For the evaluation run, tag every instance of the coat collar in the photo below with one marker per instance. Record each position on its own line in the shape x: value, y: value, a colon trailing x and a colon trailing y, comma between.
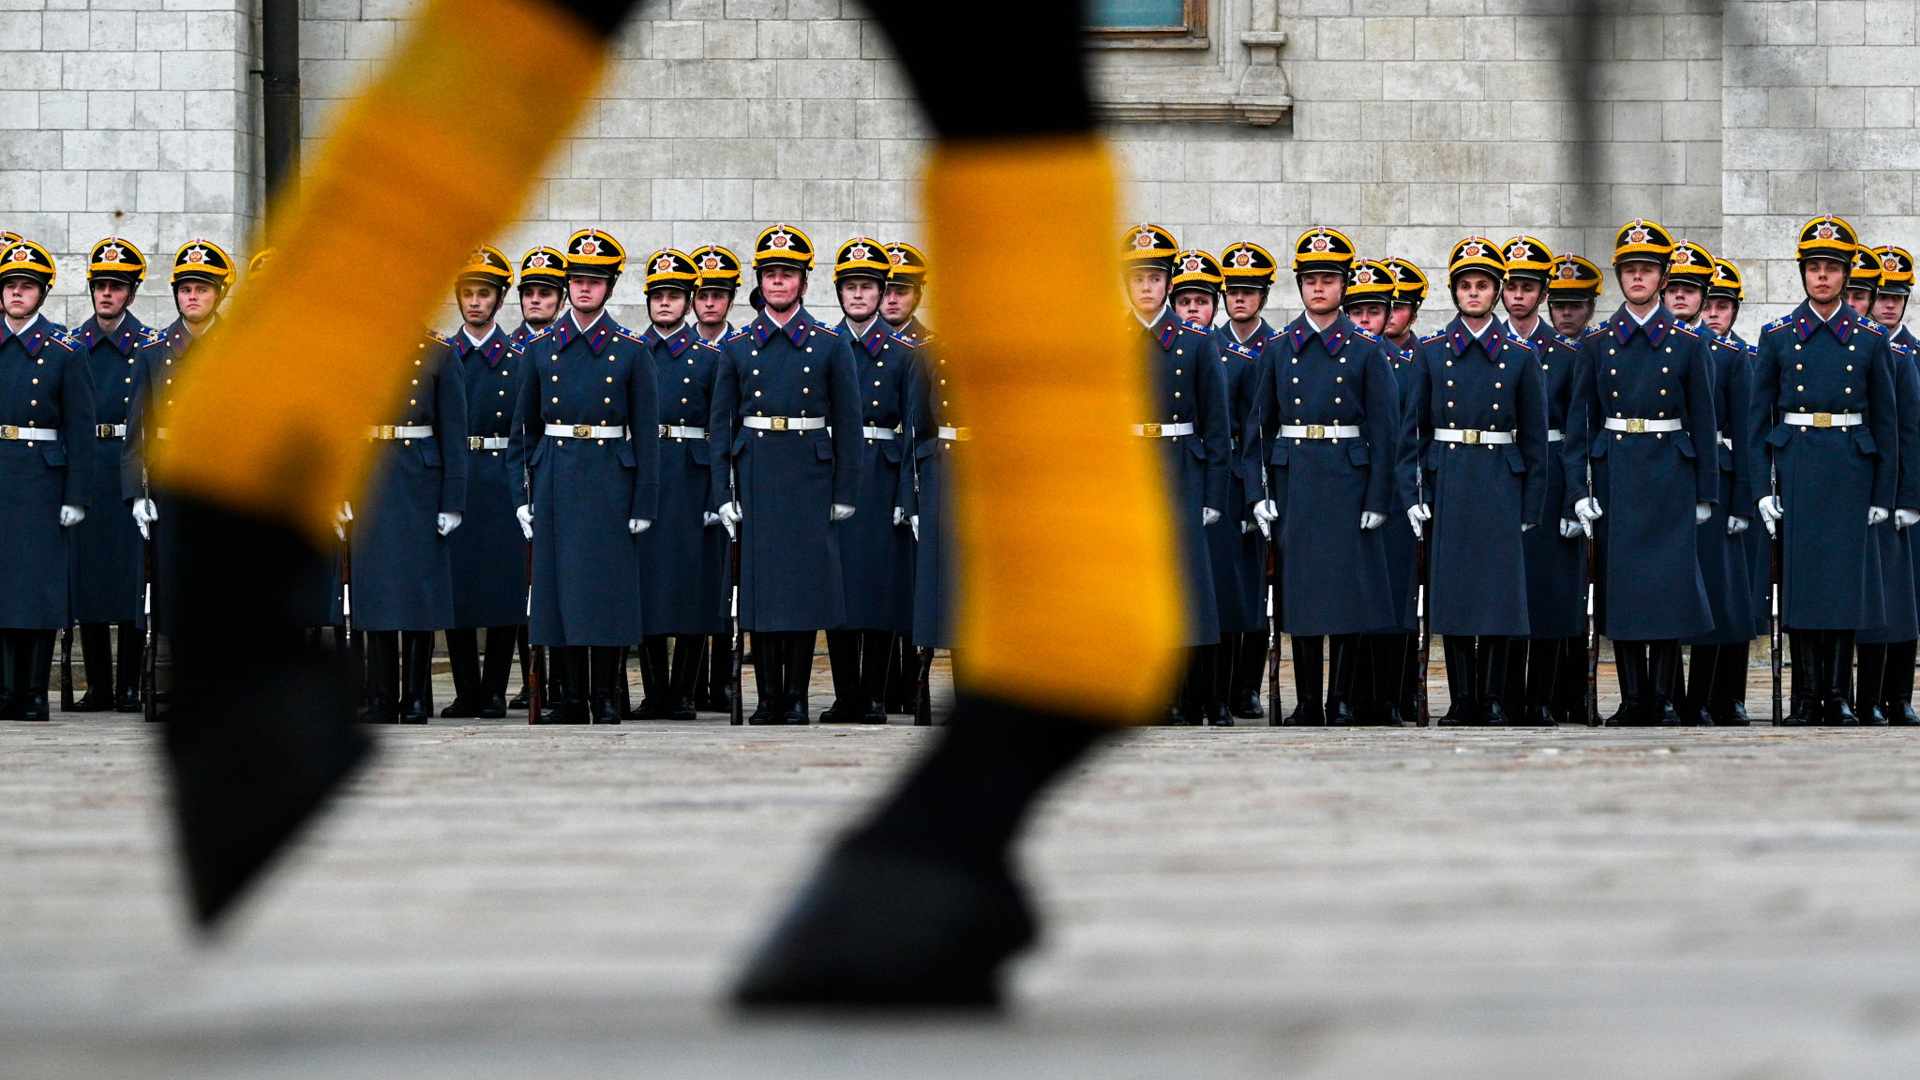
x: 35, y: 338
x: 876, y: 334
x: 677, y: 342
x: 1300, y: 331
x: 1254, y: 343
x: 1658, y: 325
x: 1459, y: 339
x: 565, y: 330
x: 763, y: 328
x: 123, y: 339
x: 914, y: 333
x: 1805, y: 321
x: 1904, y: 336
x: 491, y: 349
x: 177, y: 337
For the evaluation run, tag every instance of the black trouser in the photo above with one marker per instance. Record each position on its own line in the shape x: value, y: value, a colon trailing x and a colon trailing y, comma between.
x: 1476, y: 678
x: 26, y: 666
x: 860, y: 660
x: 96, y: 644
x: 480, y: 691
x: 399, y: 676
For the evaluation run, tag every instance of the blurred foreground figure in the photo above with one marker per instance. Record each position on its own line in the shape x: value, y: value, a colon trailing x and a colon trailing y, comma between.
x: 918, y: 905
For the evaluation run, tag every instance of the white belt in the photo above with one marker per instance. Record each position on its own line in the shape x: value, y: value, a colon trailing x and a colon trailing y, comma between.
x: 110, y: 431
x: 956, y: 434
x: 1634, y: 425
x: 784, y: 423
x: 877, y: 432
x: 1319, y: 431
x: 29, y: 434
x: 1821, y: 419
x: 400, y: 431
x: 585, y: 431
x: 1471, y: 437
x: 674, y: 431
x: 487, y: 442
x: 1554, y: 434
x: 1163, y: 431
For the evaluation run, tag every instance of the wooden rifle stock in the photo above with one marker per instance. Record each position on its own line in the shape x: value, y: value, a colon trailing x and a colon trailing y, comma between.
x: 150, y: 652
x: 737, y: 714
x: 66, y: 668
x: 1593, y: 618
x: 536, y: 654
x: 1776, y: 558
x: 1422, y: 628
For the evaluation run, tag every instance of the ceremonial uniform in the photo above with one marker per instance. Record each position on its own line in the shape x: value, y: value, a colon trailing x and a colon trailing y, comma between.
x: 719, y: 268
x: 938, y: 434
x: 1725, y: 697
x: 1891, y: 536
x: 1393, y: 687
x: 1892, y: 690
x: 1238, y: 546
x: 540, y: 266
x: 905, y: 290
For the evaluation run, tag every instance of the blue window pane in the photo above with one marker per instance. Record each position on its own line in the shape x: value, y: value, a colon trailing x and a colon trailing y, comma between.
x: 1104, y: 14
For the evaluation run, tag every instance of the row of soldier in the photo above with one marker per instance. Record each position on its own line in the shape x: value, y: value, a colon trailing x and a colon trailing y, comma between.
x: 1275, y: 440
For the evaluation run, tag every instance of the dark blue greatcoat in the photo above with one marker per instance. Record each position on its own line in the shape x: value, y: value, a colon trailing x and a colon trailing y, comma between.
x: 1896, y: 544
x: 488, y: 549
x: 156, y: 374
x: 1480, y: 494
x: 790, y: 561
x: 1403, y: 571
x: 1188, y: 387
x: 1724, y: 565
x: 1235, y: 544
x: 586, y: 570
x: 1334, y: 574
x: 1556, y: 566
x: 684, y: 586
x: 936, y: 434
x: 402, y: 566
x: 106, y: 546
x: 45, y: 384
x: 1828, y: 476
x: 1649, y: 582
x: 1904, y: 338
x: 876, y: 556
x: 1759, y: 544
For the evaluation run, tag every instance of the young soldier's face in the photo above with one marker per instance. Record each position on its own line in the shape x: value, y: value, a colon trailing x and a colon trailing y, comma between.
x: 588, y: 294
x: 1474, y: 292
x: 1521, y: 297
x: 1400, y: 319
x: 1719, y: 313
x: 1640, y: 281
x: 1823, y: 279
x: 667, y: 307
x: 1147, y: 289
x: 781, y: 286
x: 900, y: 302
x: 110, y: 298
x: 859, y: 298
x: 478, y: 303
x: 710, y: 306
x: 1370, y: 316
x: 1861, y: 299
x: 1889, y: 311
x: 196, y: 300
x: 1683, y: 299
x: 21, y: 296
x: 1194, y: 307
x: 539, y: 302
x: 1321, y: 290
x: 1570, y: 317
x: 1244, y: 303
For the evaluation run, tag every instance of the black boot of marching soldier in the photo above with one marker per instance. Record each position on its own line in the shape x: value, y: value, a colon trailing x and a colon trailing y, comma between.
x: 920, y: 906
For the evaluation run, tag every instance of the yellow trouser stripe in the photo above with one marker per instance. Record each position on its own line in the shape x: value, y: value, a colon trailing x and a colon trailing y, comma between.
x: 272, y: 412
x: 1069, y: 596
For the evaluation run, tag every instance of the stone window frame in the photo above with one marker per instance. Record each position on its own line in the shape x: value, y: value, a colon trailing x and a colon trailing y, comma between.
x: 1190, y: 34
x: 1229, y: 73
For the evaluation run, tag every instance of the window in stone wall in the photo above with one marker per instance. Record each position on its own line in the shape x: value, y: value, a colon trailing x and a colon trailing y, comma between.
x: 1148, y: 23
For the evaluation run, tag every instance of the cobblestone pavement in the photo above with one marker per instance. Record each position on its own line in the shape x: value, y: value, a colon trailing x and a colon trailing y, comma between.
x: 499, y: 901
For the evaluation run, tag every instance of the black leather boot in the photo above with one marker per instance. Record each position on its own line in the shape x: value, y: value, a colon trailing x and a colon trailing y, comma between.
x: 463, y: 656
x: 799, y: 673
x: 1542, y: 681
x: 603, y: 681
x: 1897, y: 686
x: 1189, y: 703
x: 1513, y: 689
x: 553, y: 695
x: 655, y: 674
x: 1249, y: 670
x: 523, y: 698
x: 902, y: 680
x: 37, y: 648
x: 499, y: 668
x: 769, y: 679
x: 1343, y: 672
x: 1630, y: 665
x: 1461, y: 709
x: 1663, y: 658
x: 1389, y: 672
x: 1728, y: 702
x: 1215, y: 684
x: 1801, y: 706
x: 1701, y: 665
x: 1490, y: 676
x: 1836, y: 671
x: 1570, y: 695
x: 877, y: 655
x: 1870, y: 689
x: 383, y: 677
x: 689, y: 664
x: 13, y: 684
x: 133, y: 648
x: 416, y: 676
x: 96, y: 646
x: 574, y: 683
x: 843, y: 660
x: 1309, y: 711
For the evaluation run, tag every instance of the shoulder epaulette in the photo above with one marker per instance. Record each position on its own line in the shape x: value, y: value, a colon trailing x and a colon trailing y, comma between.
x: 1435, y: 336
x: 1687, y: 330
x: 1784, y: 320
x: 742, y: 332
x: 1591, y: 331
x: 827, y: 330
x: 1516, y: 339
x: 542, y: 332
x: 623, y: 332
x: 1366, y: 335
x: 1565, y: 340
x: 439, y: 337
x: 702, y: 343
x: 66, y: 337
x: 1869, y: 324
x: 150, y: 335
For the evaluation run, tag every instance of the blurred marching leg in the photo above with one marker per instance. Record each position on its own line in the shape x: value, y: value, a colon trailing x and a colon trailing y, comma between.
x: 36, y: 646
x: 1343, y: 661
x: 521, y: 697
x: 1836, y: 670
x: 1663, y: 659
x: 1630, y: 666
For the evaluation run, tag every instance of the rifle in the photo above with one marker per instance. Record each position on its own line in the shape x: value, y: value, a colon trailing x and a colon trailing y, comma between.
x: 1273, y: 604
x: 1593, y: 621
x: 536, y: 654
x: 923, y: 677
x: 1776, y: 550
x: 150, y: 652
x: 355, y: 657
x: 738, y: 713
x: 1422, y: 631
x: 66, y: 668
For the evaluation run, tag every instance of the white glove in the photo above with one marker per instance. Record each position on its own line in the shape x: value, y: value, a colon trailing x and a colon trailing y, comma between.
x: 71, y: 515
x: 1419, y: 514
x: 1588, y: 510
x: 1904, y: 519
x: 1266, y: 511
x: 1570, y: 528
x: 340, y: 519
x: 915, y: 522
x: 899, y: 516
x: 525, y: 514
x: 1208, y: 515
x: 1370, y: 521
x: 1525, y: 525
x: 144, y: 515
x: 840, y: 512
x: 1701, y: 512
x: 1771, y: 510
x: 730, y: 516
x: 709, y: 519
x: 1876, y: 515
x: 446, y: 523
x: 1738, y: 525
x: 636, y: 526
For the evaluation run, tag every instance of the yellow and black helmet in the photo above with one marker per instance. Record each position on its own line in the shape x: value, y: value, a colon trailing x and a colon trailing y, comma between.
x: 906, y: 265
x: 1528, y: 257
x: 1726, y: 282
x: 114, y: 259
x: 203, y: 260
x: 783, y: 245
x: 1247, y: 265
x: 1864, y: 271
x: 861, y: 257
x: 1195, y: 269
x: 1827, y: 237
x: 24, y: 258
x: 592, y: 253
x: 1409, y: 281
x: 1370, y: 281
x: 1641, y: 240
x: 489, y: 266
x: 718, y: 268
x: 544, y: 266
x: 1150, y: 246
x: 8, y: 236
x: 258, y: 264
x: 1896, y: 271
x: 1322, y: 250
x: 1690, y: 263
x: 1476, y: 253
x: 1575, y: 279
x: 670, y: 268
